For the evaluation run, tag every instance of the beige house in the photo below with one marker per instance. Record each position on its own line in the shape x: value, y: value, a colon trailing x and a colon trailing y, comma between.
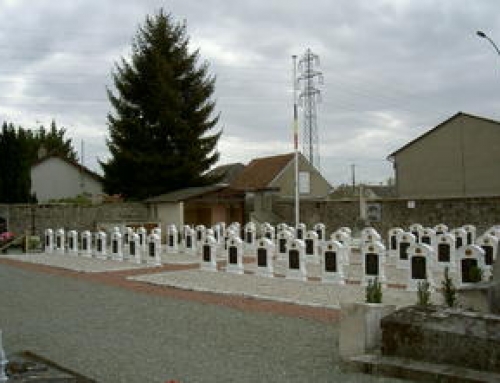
x: 54, y: 178
x: 267, y: 178
x: 458, y: 158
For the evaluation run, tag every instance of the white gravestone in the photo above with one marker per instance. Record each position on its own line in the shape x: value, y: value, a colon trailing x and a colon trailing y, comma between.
x: 86, y: 240
x: 283, y: 238
x: 421, y: 258
x: 135, y: 248
x: 369, y: 234
x: 405, y: 240
x: 489, y: 244
x: 234, y: 255
x: 296, y: 260
x: 441, y: 229
x: 469, y: 257
x: 208, y: 248
x: 154, y: 250
x: 470, y: 235
x: 333, y: 254
x: 250, y: 233
x: 116, y: 246
x: 311, y: 247
x: 60, y: 241
x: 172, y: 239
x: 49, y: 241
x: 73, y: 242
x: 264, y: 254
x: 300, y: 230
x: 190, y: 241
x: 392, y: 244
x: 428, y: 237
x: 201, y: 231
x: 373, y: 262
x: 416, y: 230
x: 320, y: 229
x: 143, y: 238
x: 446, y: 252
x: 460, y: 237
x: 341, y: 236
x: 100, y: 245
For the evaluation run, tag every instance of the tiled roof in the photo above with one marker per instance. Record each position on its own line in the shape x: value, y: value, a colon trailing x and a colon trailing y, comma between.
x: 75, y: 164
x: 227, y: 172
x: 260, y: 172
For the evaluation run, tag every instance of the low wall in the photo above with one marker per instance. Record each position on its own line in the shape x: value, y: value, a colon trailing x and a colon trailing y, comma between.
x: 37, y: 218
x: 481, y: 212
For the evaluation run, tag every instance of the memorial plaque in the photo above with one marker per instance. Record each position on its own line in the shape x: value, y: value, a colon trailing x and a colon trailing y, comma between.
x: 233, y: 255
x: 426, y: 239
x: 418, y: 270
x: 125, y: 238
x: 188, y: 241
x: 488, y: 255
x: 282, y: 245
x: 444, y: 252
x: 99, y: 245
x: 262, y: 257
x: 459, y: 242
x: 71, y: 242
x: 248, y: 237
x: 300, y: 233
x: 394, y: 242
x: 115, y: 246
x: 171, y: 240
x: 371, y: 264
x: 309, y: 247
x: 58, y: 242
x: 179, y: 238
x: 84, y: 243
x: 268, y: 235
x: 47, y: 240
x: 320, y: 234
x: 331, y: 261
x: 403, y: 250
x: 206, y: 253
x: 439, y: 232
x: 469, y: 238
x: 132, y: 248
x: 151, y: 249
x: 467, y: 265
x: 293, y: 260
x: 198, y: 235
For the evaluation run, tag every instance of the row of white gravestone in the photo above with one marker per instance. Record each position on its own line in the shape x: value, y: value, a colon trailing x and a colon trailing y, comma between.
x: 136, y: 247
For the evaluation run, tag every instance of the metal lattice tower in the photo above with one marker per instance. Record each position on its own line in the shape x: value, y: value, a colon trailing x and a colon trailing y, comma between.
x: 309, y: 97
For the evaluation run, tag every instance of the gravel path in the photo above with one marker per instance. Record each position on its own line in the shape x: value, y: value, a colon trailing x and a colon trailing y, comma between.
x: 117, y: 335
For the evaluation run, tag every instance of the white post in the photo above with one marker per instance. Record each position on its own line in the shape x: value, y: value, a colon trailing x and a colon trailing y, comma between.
x: 296, y: 142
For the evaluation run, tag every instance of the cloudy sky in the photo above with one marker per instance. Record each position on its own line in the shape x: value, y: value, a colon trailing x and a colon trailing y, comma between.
x: 392, y: 70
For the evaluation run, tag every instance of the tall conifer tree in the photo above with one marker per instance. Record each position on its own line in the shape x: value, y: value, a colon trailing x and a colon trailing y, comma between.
x: 159, y: 136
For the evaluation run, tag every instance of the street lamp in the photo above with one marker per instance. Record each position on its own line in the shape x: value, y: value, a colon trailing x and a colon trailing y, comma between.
x: 485, y: 36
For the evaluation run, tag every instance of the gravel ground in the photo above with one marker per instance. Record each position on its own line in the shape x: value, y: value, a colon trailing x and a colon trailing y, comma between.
x: 117, y: 335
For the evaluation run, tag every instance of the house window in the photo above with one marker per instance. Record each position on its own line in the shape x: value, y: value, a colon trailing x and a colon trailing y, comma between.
x: 304, y: 183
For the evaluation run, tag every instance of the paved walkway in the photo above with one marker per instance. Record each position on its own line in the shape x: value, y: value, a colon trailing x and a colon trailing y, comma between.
x: 118, y: 330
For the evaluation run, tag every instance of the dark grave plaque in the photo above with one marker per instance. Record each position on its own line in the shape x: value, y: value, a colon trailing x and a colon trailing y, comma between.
x: 418, y: 270
x: 282, y: 245
x: 371, y: 264
x: 47, y: 240
x: 115, y: 246
x: 320, y: 234
x: 58, y: 242
x: 268, y: 235
x: 206, y: 253
x: 179, y: 237
x: 415, y: 233
x: 439, y: 232
x: 331, y: 261
x: 309, y: 246
x: 71, y: 242
x: 248, y: 237
x: 99, y: 245
x: 426, y: 239
x: 188, y: 241
x: 394, y: 242
x: 469, y: 238
x: 300, y: 234
x: 171, y: 240
x: 132, y: 248
x: 233, y: 255
x: 152, y: 249
x: 293, y: 260
x: 467, y: 265
x: 84, y: 243
x: 262, y: 257
x: 141, y: 239
x: 403, y: 250
x: 444, y: 252
x: 459, y: 242
x: 198, y: 235
x: 488, y: 255
x: 125, y: 238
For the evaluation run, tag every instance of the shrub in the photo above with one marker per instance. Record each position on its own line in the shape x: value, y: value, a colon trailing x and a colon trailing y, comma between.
x: 374, y: 291
x: 448, y: 289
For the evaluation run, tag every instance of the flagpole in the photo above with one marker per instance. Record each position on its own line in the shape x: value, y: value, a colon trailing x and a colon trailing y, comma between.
x: 296, y: 143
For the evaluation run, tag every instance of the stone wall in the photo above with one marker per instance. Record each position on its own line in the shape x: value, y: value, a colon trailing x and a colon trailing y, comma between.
x: 37, y: 218
x: 481, y: 212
